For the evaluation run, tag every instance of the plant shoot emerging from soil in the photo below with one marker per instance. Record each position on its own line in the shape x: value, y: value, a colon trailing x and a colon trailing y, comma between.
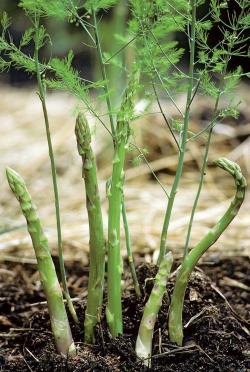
x: 58, y: 316
x: 189, y: 262
x: 96, y: 233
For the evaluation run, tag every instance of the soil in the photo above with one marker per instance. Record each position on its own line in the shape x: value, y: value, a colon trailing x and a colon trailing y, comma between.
x: 215, y: 319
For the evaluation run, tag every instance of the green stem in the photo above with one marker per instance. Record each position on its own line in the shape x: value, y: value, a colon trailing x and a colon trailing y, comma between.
x: 117, y: 80
x: 54, y: 176
x: 129, y: 252
x: 143, y: 347
x: 183, y: 140
x: 103, y: 72
x: 189, y: 262
x: 96, y: 233
x: 197, y: 197
x: 114, y: 310
x: 204, y: 163
x: 113, y: 130
x: 58, y: 316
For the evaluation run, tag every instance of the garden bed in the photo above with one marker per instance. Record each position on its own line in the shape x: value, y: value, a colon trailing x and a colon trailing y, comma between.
x: 215, y: 318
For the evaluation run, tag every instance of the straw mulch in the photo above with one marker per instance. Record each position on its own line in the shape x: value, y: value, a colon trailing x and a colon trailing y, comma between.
x: 24, y: 148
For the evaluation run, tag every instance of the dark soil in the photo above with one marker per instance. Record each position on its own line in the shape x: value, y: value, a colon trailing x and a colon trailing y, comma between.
x: 215, y: 318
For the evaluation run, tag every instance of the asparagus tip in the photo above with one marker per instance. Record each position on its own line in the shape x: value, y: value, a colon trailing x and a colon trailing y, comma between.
x: 83, y: 135
x: 13, y: 178
x: 232, y: 168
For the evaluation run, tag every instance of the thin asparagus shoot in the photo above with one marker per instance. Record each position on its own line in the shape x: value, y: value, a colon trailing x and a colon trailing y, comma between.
x: 96, y: 233
x: 184, y: 136
x: 42, y: 96
x: 189, y: 262
x: 145, y: 336
x: 53, y: 293
x: 129, y: 252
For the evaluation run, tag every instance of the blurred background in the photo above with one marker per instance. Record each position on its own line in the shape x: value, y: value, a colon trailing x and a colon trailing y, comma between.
x: 65, y: 36
x: 23, y: 146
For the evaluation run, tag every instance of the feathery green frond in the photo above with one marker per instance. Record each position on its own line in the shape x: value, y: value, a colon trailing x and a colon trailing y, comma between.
x: 4, y: 45
x: 4, y: 66
x: 20, y: 61
x: 232, y: 79
x: 208, y: 86
x: 99, y: 4
x: 27, y: 37
x: 5, y: 21
x: 67, y: 78
x: 60, y: 9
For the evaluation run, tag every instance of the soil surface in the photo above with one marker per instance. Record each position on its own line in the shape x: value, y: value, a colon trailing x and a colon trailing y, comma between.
x: 216, y: 322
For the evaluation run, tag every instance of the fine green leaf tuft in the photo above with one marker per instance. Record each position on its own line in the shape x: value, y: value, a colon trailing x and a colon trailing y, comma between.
x: 99, y: 4
x: 60, y: 9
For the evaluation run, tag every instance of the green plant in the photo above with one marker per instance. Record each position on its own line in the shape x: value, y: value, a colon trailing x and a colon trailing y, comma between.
x: 38, y: 35
x: 190, y: 260
x: 143, y: 346
x: 58, y: 316
x: 115, y: 195
x: 156, y: 57
x: 96, y: 233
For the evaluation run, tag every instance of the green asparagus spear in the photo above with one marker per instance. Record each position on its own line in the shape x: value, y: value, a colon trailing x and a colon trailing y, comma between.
x: 97, y: 240
x: 144, y: 339
x: 176, y: 306
x: 115, y: 194
x: 58, y: 316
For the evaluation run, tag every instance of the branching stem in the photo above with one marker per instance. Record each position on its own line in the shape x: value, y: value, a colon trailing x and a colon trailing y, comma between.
x: 204, y: 163
x: 104, y: 74
x: 189, y: 262
x: 114, y: 134
x: 183, y: 140
x: 42, y: 97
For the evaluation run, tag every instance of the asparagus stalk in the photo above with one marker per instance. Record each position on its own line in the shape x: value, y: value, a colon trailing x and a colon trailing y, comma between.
x: 176, y: 306
x: 144, y: 339
x: 119, y: 18
x: 183, y: 142
x: 58, y: 316
x: 42, y: 96
x: 115, y: 195
x: 96, y: 233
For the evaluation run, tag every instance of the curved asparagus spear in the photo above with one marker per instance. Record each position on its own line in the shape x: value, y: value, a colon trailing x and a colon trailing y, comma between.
x: 115, y: 193
x: 58, y: 316
x: 96, y: 233
x: 143, y: 346
x: 176, y: 306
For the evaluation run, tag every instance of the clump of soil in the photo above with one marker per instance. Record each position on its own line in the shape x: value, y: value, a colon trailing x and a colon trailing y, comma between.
x: 215, y: 326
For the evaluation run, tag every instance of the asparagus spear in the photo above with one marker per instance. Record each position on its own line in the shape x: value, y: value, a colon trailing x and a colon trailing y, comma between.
x: 176, y: 306
x: 115, y: 195
x: 144, y: 339
x: 97, y: 240
x: 58, y: 316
